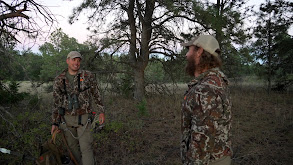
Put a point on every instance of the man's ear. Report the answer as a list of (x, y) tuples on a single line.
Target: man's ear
[(199, 51), (67, 60)]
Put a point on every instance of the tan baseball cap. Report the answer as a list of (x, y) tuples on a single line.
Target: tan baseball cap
[(74, 54), (207, 42)]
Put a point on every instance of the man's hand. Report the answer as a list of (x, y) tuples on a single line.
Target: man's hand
[(54, 127), (101, 118)]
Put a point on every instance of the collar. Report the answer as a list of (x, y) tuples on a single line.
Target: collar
[(198, 79), (63, 74)]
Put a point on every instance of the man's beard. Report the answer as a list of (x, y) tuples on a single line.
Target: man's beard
[(190, 67)]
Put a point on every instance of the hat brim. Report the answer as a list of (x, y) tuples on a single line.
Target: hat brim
[(75, 57), (188, 43)]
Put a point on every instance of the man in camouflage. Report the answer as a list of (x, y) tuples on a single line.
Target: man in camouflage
[(206, 109), (72, 112)]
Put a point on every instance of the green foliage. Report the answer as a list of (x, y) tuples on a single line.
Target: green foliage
[(174, 70), (155, 72), (33, 101), (9, 93), (114, 126), (142, 108), (123, 85), (19, 66), (26, 66), (32, 64), (10, 69), (126, 87), (24, 130), (274, 45), (167, 70), (283, 67)]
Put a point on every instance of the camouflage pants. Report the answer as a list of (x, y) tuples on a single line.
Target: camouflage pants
[(79, 138), (226, 160)]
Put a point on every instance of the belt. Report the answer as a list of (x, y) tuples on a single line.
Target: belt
[(76, 112)]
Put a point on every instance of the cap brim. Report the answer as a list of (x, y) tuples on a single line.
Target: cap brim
[(75, 57), (186, 44), (189, 43)]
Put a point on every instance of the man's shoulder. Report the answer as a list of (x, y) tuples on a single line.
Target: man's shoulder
[(215, 78), (62, 75), (85, 73)]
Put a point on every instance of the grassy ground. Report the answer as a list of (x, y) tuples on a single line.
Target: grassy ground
[(262, 126), (262, 129), (138, 133), (152, 138)]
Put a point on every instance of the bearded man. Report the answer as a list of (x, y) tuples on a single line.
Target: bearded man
[(206, 108)]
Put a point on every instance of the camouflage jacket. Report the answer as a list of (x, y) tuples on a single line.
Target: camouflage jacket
[(85, 87), (206, 119)]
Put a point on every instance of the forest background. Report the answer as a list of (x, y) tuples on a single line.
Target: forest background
[(134, 50)]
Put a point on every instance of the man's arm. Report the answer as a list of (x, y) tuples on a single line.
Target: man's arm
[(185, 131), (57, 103), (97, 98)]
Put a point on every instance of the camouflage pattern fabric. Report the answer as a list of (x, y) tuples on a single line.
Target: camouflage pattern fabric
[(206, 119), (88, 89)]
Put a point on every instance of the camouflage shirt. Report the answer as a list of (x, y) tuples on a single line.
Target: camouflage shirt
[(206, 119), (85, 87)]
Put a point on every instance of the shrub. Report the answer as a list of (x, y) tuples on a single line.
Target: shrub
[(142, 110), (9, 94)]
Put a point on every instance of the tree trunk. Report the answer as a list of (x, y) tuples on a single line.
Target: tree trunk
[(139, 90), (219, 26), (269, 57), (141, 60)]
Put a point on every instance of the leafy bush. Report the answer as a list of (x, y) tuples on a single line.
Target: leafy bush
[(9, 94), (23, 126), (142, 110), (24, 133), (123, 86)]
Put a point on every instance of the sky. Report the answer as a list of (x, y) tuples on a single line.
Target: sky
[(62, 9)]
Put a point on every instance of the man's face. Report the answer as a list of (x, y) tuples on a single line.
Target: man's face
[(73, 64), (191, 60)]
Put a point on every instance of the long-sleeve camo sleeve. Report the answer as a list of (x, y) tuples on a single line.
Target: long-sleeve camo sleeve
[(58, 99), (96, 94)]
